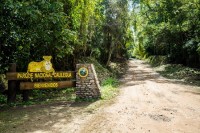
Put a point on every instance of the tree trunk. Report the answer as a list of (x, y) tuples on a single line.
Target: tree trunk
[(12, 90), (110, 53)]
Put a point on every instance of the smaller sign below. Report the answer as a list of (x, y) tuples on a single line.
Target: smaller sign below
[(46, 85)]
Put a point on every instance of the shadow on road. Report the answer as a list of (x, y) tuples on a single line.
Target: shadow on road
[(138, 72), (41, 117)]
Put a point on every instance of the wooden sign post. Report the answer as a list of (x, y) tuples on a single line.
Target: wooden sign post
[(12, 85), (37, 71)]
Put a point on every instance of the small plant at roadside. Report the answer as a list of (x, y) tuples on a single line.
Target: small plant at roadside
[(109, 88), (2, 99), (110, 82)]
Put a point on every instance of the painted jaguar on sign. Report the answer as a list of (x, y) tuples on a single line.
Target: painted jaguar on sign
[(42, 66)]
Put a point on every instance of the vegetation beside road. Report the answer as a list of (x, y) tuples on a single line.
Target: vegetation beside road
[(175, 71)]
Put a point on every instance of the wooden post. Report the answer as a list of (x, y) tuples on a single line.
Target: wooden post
[(25, 95), (12, 85)]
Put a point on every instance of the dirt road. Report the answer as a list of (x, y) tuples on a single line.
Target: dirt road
[(147, 103)]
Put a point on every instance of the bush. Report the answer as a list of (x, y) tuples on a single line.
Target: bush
[(110, 82), (157, 60), (3, 83)]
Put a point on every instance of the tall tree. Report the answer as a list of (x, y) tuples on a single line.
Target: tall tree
[(116, 28)]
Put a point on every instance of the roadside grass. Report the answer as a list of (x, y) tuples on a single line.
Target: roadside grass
[(174, 71), (179, 72), (41, 97), (109, 88), (157, 60)]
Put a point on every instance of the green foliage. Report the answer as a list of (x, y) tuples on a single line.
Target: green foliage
[(42, 97), (157, 60), (116, 30), (109, 88), (168, 28), (65, 29), (178, 71), (3, 99), (67, 94), (3, 83), (32, 29), (104, 29), (198, 50), (139, 51), (110, 82)]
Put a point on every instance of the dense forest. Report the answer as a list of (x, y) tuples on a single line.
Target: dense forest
[(103, 29), (169, 28)]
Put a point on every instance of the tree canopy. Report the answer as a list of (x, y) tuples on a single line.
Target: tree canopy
[(104, 29), (169, 28)]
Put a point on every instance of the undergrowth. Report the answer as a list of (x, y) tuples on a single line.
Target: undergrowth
[(175, 71), (41, 97), (109, 88)]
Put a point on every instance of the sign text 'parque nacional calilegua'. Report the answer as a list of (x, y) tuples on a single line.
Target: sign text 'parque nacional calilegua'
[(43, 75)]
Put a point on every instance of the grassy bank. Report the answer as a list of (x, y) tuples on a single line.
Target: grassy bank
[(175, 71)]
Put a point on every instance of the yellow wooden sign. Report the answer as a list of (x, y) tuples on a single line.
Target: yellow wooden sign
[(40, 70)]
